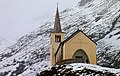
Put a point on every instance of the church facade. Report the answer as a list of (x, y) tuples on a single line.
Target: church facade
[(76, 48)]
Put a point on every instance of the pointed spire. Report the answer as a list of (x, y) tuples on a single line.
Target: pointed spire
[(57, 25)]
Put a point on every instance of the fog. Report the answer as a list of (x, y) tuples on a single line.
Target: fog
[(19, 17)]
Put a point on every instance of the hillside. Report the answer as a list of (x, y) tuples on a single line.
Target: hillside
[(99, 19), (79, 69), (3, 44)]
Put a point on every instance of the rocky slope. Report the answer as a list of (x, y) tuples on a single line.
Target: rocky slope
[(99, 19), (79, 69)]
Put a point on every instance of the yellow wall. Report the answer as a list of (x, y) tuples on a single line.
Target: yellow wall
[(53, 46), (80, 41)]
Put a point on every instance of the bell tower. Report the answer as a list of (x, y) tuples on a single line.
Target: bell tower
[(56, 37)]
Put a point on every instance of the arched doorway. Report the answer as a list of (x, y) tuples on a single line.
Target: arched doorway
[(81, 56)]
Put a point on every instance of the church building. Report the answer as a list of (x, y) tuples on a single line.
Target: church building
[(78, 48)]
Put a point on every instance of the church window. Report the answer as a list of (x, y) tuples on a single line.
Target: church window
[(57, 38), (81, 56)]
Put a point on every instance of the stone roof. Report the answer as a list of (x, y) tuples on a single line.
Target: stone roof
[(57, 25)]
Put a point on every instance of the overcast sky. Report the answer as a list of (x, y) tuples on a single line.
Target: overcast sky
[(19, 17)]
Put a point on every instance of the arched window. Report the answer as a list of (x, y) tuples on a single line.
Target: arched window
[(81, 56)]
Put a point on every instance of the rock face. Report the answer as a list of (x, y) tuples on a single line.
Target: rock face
[(99, 19)]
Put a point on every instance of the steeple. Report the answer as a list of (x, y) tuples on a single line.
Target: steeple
[(57, 25), (56, 37)]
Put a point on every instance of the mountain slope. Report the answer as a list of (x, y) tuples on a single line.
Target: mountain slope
[(79, 69), (3, 44), (99, 19)]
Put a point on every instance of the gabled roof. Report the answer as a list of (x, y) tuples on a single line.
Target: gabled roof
[(75, 34)]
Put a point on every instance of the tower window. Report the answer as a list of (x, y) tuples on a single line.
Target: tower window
[(57, 38)]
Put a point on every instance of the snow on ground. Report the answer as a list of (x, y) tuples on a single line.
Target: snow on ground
[(81, 66), (80, 69)]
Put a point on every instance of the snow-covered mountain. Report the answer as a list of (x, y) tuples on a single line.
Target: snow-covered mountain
[(3, 44), (99, 19)]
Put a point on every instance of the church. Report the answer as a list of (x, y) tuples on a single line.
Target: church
[(78, 48)]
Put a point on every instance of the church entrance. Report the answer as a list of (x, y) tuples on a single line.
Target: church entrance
[(80, 56)]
